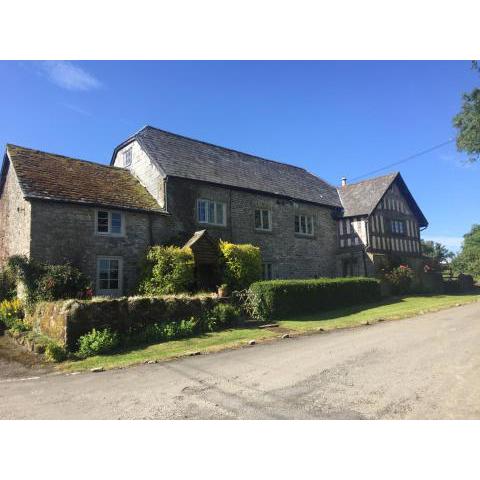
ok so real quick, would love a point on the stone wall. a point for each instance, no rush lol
(66, 321)
(14, 219)
(292, 255)
(64, 232)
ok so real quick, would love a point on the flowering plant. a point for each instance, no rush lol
(400, 279)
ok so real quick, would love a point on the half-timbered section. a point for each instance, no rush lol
(380, 219)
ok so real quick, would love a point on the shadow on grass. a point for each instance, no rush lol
(353, 309)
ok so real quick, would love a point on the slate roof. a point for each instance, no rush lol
(180, 156)
(362, 198)
(48, 176)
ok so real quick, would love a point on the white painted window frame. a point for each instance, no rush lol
(304, 234)
(109, 292)
(207, 211)
(110, 233)
(124, 157)
(262, 228)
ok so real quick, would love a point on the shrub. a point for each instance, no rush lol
(61, 281)
(400, 279)
(7, 285)
(242, 265)
(221, 316)
(278, 298)
(167, 270)
(55, 352)
(97, 342)
(44, 282)
(11, 313)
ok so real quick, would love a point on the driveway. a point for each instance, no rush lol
(424, 367)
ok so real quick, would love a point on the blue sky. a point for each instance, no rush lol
(333, 118)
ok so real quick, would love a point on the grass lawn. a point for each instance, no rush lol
(391, 309)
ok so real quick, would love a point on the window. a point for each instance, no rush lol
(267, 271)
(109, 275)
(109, 223)
(304, 224)
(211, 212)
(263, 220)
(398, 226)
(127, 157)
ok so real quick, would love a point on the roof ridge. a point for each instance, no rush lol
(65, 157)
(368, 180)
(220, 146)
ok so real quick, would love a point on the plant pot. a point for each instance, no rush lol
(222, 292)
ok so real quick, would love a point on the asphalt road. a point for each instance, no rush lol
(426, 367)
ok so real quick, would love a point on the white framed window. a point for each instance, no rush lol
(304, 224)
(211, 212)
(127, 157)
(263, 220)
(108, 222)
(109, 276)
(267, 271)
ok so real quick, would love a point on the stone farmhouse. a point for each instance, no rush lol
(163, 188)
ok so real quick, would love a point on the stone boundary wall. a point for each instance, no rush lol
(67, 320)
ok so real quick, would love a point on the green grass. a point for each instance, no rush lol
(209, 342)
(391, 309)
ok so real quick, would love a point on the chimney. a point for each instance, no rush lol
(344, 181)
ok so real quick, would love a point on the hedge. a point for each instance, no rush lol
(280, 298)
(242, 264)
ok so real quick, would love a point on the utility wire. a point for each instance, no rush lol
(415, 155)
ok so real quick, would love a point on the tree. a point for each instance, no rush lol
(436, 251)
(468, 260)
(467, 122)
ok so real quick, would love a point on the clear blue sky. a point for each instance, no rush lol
(333, 118)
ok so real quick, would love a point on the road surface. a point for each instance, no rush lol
(426, 367)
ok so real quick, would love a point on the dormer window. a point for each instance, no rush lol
(127, 157)
(109, 223)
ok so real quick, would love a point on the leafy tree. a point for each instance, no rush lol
(467, 122)
(436, 251)
(468, 260)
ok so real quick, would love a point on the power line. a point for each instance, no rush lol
(415, 155)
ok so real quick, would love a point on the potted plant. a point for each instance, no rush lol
(222, 291)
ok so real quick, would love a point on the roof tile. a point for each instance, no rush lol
(54, 177)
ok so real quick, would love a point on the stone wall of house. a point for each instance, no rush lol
(14, 219)
(64, 232)
(143, 168)
(291, 255)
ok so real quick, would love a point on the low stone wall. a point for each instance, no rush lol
(66, 321)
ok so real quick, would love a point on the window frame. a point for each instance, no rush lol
(124, 157)
(267, 267)
(269, 216)
(110, 213)
(208, 204)
(394, 227)
(111, 292)
(305, 217)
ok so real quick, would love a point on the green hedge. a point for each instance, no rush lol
(280, 298)
(242, 264)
